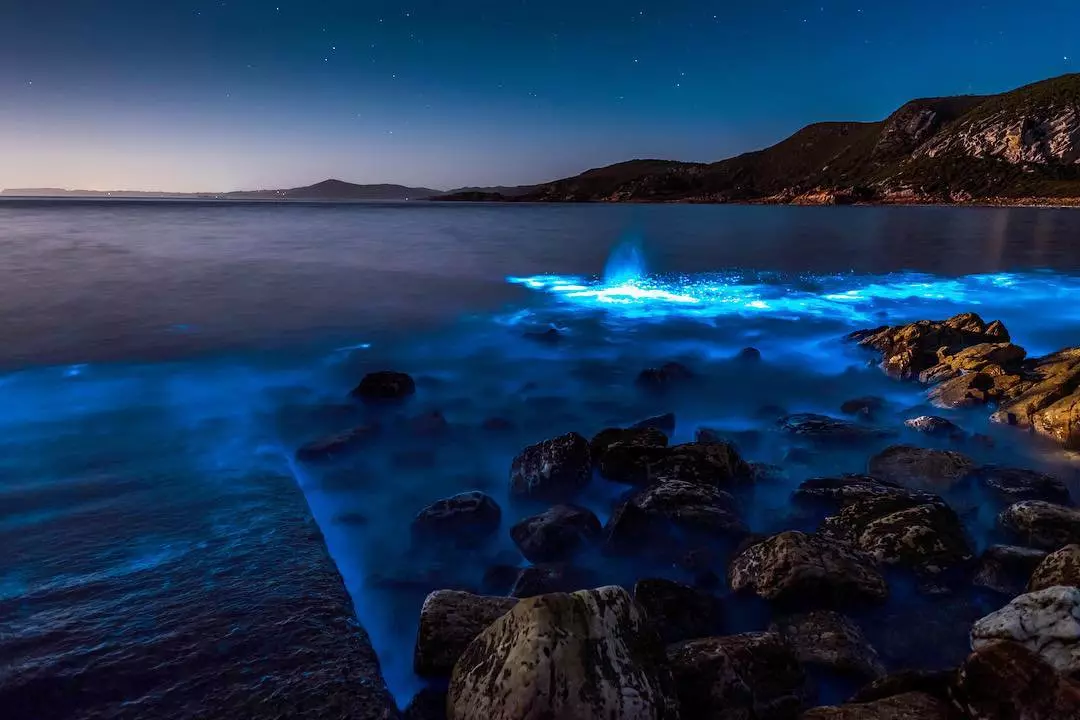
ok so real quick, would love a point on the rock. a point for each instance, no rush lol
(449, 621)
(1046, 622)
(1041, 524)
(829, 640)
(928, 539)
(670, 514)
(1006, 568)
(556, 534)
(628, 455)
(848, 489)
(1006, 681)
(664, 423)
(797, 569)
(428, 704)
(753, 676)
(931, 682)
(848, 525)
(749, 354)
(430, 423)
(974, 389)
(664, 377)
(936, 426)
(499, 579)
(583, 656)
(549, 578)
(1049, 403)
(467, 518)
(908, 350)
(921, 468)
(825, 430)
(553, 470)
(1059, 568)
(549, 336)
(993, 359)
(384, 385)
(678, 612)
(865, 406)
(716, 464)
(336, 446)
(909, 706)
(1015, 484)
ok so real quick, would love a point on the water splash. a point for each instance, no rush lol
(626, 265)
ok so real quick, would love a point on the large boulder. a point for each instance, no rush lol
(825, 430)
(588, 655)
(1042, 524)
(467, 518)
(1046, 622)
(678, 612)
(977, 389)
(549, 578)
(754, 676)
(554, 470)
(801, 570)
(990, 358)
(1016, 484)
(1006, 568)
(909, 706)
(836, 492)
(1006, 681)
(449, 621)
(556, 534)
(1048, 403)
(1061, 567)
(831, 641)
(921, 468)
(628, 455)
(935, 426)
(909, 350)
(928, 539)
(385, 385)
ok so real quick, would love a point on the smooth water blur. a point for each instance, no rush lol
(200, 342)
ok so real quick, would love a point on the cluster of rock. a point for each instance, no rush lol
(971, 363)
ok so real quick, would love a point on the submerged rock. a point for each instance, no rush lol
(825, 430)
(749, 354)
(1061, 567)
(1041, 524)
(337, 446)
(664, 377)
(1006, 681)
(1046, 622)
(936, 426)
(556, 534)
(384, 385)
(1049, 402)
(583, 656)
(753, 676)
(678, 612)
(467, 518)
(864, 406)
(1007, 568)
(909, 706)
(449, 621)
(1015, 484)
(829, 640)
(921, 468)
(552, 470)
(797, 569)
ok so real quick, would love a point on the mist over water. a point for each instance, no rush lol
(353, 290)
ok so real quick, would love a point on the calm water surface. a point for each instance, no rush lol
(160, 357)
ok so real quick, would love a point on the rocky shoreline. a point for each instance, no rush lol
(846, 614)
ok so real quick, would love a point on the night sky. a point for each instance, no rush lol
(197, 95)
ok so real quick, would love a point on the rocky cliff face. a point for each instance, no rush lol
(1045, 136)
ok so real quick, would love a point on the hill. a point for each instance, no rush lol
(337, 190)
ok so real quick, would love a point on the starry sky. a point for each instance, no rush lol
(200, 95)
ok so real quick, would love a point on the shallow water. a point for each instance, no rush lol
(158, 350)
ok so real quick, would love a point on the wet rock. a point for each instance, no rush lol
(671, 514)
(1046, 622)
(849, 489)
(716, 464)
(549, 336)
(909, 706)
(550, 578)
(921, 468)
(1041, 524)
(499, 579)
(936, 426)
(665, 377)
(664, 423)
(467, 518)
(1048, 403)
(749, 354)
(589, 654)
(428, 704)
(337, 446)
(449, 621)
(831, 641)
(1059, 568)
(928, 539)
(808, 571)
(557, 534)
(678, 612)
(908, 350)
(974, 390)
(931, 682)
(384, 385)
(1006, 568)
(553, 470)
(825, 430)
(849, 524)
(1006, 681)
(753, 676)
(993, 359)
(628, 455)
(864, 406)
(1016, 484)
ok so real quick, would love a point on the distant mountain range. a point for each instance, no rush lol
(1013, 148)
